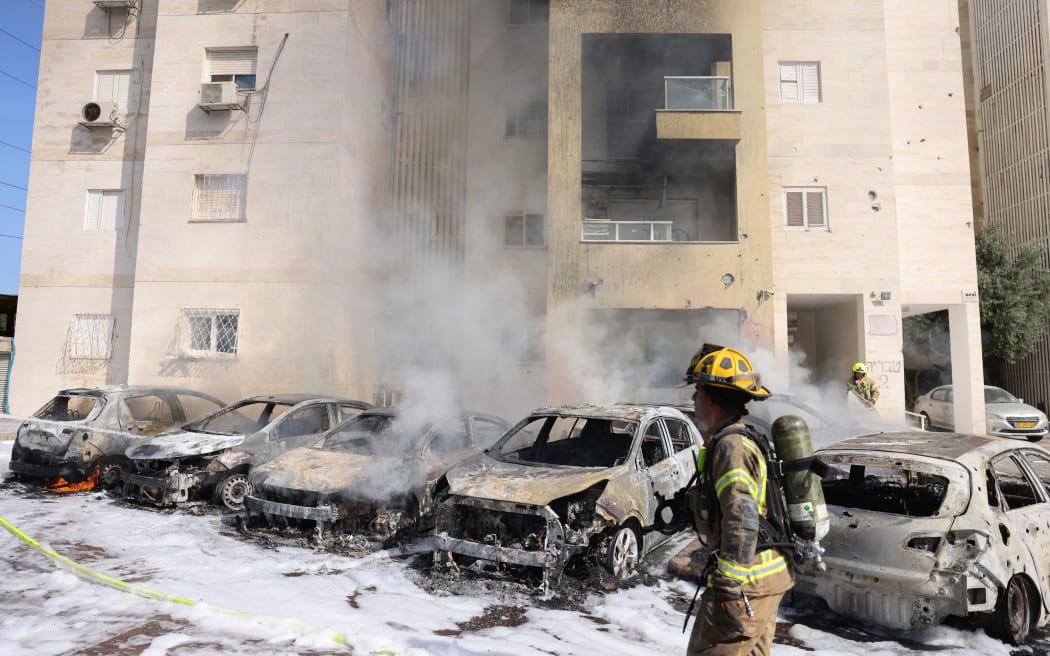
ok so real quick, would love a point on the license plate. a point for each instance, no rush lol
(1026, 424)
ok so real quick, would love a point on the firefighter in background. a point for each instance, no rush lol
(863, 387)
(744, 583)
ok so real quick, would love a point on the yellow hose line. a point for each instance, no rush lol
(90, 574)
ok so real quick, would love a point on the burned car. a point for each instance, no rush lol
(77, 439)
(924, 527)
(375, 473)
(211, 457)
(569, 482)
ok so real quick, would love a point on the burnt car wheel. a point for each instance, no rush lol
(109, 474)
(621, 557)
(230, 492)
(1013, 612)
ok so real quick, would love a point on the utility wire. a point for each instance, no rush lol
(24, 150)
(17, 209)
(17, 79)
(8, 184)
(33, 2)
(25, 43)
(9, 236)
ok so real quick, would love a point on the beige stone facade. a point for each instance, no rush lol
(623, 180)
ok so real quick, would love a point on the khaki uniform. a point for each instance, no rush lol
(865, 389)
(726, 510)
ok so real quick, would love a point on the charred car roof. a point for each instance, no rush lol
(293, 398)
(947, 446)
(110, 389)
(627, 411)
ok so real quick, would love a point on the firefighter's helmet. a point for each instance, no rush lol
(860, 368)
(727, 368)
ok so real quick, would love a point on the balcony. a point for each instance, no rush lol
(598, 230)
(698, 107)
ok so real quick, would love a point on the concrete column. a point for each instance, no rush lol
(964, 324)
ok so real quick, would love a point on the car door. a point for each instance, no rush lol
(939, 407)
(1038, 464)
(301, 426)
(662, 467)
(447, 444)
(1025, 511)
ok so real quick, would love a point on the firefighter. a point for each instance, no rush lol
(744, 582)
(863, 387)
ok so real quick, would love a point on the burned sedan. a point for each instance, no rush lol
(569, 482)
(78, 439)
(212, 457)
(924, 527)
(374, 473)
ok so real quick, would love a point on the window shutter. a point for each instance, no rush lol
(789, 82)
(794, 209)
(123, 86)
(810, 74)
(238, 61)
(814, 209)
(104, 86)
(93, 210)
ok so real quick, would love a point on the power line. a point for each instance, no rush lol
(25, 43)
(10, 236)
(17, 209)
(17, 79)
(8, 184)
(33, 2)
(24, 150)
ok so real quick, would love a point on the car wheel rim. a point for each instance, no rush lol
(624, 553)
(110, 475)
(1017, 605)
(234, 490)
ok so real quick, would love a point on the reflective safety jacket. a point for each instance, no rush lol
(731, 495)
(864, 388)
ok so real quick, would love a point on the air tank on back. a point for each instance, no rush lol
(802, 491)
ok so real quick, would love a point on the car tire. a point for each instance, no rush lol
(1035, 438)
(929, 424)
(230, 491)
(623, 553)
(1014, 612)
(109, 473)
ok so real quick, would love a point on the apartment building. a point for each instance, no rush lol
(558, 201)
(1006, 51)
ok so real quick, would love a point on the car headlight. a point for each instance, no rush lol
(992, 416)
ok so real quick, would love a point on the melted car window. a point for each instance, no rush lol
(194, 407)
(1014, 487)
(889, 489)
(1040, 464)
(653, 445)
(486, 432)
(244, 417)
(679, 432)
(367, 435)
(149, 408)
(569, 441)
(305, 421)
(68, 408)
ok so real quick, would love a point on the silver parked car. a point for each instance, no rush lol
(213, 456)
(1005, 414)
(923, 528)
(79, 437)
(567, 483)
(374, 473)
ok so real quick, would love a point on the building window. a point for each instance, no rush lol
(210, 333)
(529, 12)
(806, 208)
(521, 229)
(232, 65)
(219, 197)
(104, 210)
(528, 120)
(112, 86)
(91, 336)
(524, 346)
(800, 82)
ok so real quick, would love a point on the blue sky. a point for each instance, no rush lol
(20, 27)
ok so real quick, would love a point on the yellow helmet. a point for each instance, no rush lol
(719, 366)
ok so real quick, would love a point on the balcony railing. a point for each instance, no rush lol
(626, 230)
(699, 92)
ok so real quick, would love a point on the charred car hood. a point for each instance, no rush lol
(487, 478)
(181, 444)
(326, 472)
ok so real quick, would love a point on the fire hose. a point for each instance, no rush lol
(97, 577)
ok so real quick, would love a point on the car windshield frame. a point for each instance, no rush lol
(541, 439)
(248, 425)
(343, 438)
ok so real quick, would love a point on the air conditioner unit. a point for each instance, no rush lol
(116, 4)
(98, 114)
(219, 96)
